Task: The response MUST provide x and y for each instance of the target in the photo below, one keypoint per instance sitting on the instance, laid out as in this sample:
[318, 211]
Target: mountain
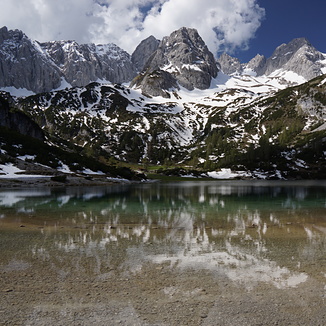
[28, 150]
[42, 67]
[180, 109]
[81, 64]
[24, 65]
[298, 56]
[143, 52]
[181, 60]
[281, 135]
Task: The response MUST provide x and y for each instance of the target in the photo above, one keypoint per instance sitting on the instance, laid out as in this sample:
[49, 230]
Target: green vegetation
[16, 144]
[266, 134]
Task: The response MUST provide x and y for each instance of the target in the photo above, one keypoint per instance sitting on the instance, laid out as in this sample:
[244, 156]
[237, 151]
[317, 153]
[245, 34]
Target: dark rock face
[23, 65]
[18, 121]
[143, 52]
[157, 83]
[186, 60]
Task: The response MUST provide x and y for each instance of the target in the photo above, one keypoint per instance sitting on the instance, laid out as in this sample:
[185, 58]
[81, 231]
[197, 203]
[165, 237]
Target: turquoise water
[238, 227]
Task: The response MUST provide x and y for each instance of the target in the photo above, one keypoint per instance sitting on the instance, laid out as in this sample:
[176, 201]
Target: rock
[41, 67]
[181, 59]
[143, 52]
[23, 65]
[229, 65]
[81, 64]
[256, 64]
[298, 56]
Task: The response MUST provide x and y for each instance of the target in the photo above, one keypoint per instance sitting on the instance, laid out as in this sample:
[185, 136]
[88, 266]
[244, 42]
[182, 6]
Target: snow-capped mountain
[234, 128]
[42, 67]
[81, 64]
[182, 108]
[181, 60]
[298, 56]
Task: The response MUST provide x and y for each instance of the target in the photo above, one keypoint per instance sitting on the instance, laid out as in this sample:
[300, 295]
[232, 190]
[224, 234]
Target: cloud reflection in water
[232, 229]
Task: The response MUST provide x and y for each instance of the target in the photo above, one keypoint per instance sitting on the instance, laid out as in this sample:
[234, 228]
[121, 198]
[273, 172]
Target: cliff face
[81, 64]
[23, 65]
[298, 56]
[180, 59]
[41, 67]
[143, 52]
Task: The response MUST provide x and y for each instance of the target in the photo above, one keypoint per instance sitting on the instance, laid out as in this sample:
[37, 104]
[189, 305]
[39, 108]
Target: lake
[186, 253]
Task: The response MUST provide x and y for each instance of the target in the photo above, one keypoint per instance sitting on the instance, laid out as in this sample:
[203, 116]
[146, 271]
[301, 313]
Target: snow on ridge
[191, 67]
[289, 76]
[17, 92]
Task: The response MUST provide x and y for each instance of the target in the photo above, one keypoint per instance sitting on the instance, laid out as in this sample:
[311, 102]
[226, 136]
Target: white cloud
[223, 24]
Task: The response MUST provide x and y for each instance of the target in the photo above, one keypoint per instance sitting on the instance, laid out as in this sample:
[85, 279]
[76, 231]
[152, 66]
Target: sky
[241, 28]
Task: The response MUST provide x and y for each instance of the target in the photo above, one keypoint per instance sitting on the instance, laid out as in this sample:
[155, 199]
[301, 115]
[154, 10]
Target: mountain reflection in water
[249, 231]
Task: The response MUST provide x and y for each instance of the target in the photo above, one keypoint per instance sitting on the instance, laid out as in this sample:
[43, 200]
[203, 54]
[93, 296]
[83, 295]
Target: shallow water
[249, 234]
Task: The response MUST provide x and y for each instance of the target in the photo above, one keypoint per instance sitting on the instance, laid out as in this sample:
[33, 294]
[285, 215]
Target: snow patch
[18, 92]
[227, 174]
[10, 171]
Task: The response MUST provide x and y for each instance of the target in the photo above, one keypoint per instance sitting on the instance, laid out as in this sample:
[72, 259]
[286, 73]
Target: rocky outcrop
[229, 65]
[257, 65]
[185, 60]
[23, 64]
[157, 83]
[143, 52]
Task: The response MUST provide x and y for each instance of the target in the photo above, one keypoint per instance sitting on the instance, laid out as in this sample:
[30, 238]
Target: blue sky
[286, 20]
[246, 27]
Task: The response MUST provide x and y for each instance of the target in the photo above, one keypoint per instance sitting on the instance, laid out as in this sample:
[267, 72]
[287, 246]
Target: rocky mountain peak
[257, 64]
[83, 63]
[298, 56]
[184, 58]
[23, 64]
[15, 35]
[41, 67]
[144, 51]
[229, 65]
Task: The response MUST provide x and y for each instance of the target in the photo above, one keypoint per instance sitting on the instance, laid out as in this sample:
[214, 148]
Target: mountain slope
[24, 65]
[232, 128]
